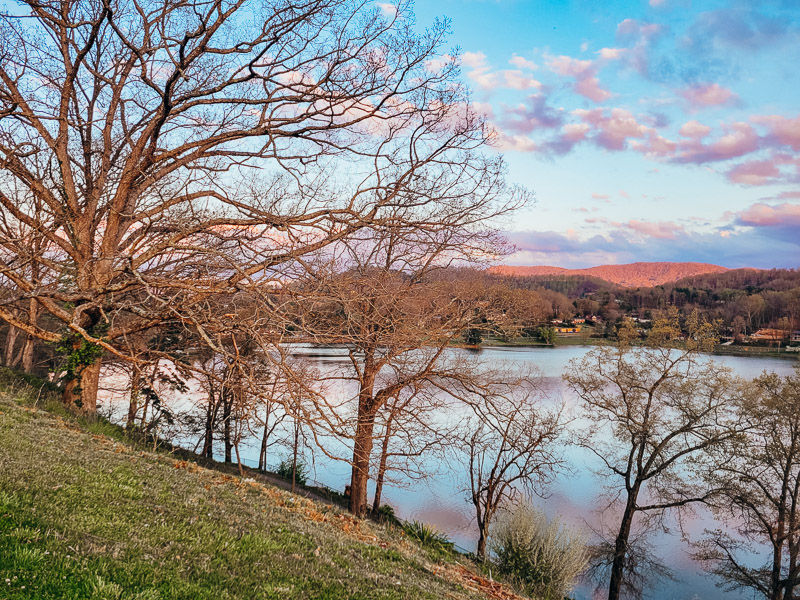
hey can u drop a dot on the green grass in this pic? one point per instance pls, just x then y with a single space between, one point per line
84 514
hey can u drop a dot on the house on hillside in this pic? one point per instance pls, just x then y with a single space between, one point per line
796 336
568 329
770 335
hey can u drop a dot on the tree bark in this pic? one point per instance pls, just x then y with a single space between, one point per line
81 392
480 552
376 502
133 402
208 438
362 450
27 349
226 426
262 453
621 546
11 341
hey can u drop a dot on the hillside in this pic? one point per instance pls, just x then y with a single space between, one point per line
640 274
85 515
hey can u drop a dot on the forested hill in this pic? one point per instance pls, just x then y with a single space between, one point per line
640 274
749 280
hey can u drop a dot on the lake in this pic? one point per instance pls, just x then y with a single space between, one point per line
441 501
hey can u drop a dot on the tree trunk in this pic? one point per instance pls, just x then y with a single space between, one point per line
480 552
208 438
621 546
294 454
133 403
226 426
376 503
90 384
81 392
362 450
262 453
11 342
27 350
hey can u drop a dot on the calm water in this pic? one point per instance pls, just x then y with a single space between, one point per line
441 499
574 498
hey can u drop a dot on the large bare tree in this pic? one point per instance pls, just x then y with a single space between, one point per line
165 153
655 410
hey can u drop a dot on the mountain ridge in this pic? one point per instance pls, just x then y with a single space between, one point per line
638 274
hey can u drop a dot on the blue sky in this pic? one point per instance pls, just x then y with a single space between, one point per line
649 130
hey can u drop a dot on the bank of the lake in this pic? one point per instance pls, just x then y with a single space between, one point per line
85 512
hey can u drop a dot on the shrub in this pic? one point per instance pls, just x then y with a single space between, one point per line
385 514
542 558
428 537
284 469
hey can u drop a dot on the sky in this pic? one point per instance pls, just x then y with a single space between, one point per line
649 130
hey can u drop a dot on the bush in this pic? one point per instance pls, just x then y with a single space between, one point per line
428 537
540 557
385 514
284 469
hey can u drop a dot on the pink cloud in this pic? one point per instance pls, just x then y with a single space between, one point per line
522 63
597 196
663 230
514 143
655 146
693 129
590 88
611 53
757 172
764 215
782 130
585 74
739 139
614 129
711 94
570 67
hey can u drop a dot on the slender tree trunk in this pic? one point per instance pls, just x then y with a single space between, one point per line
208 438
226 426
238 458
776 588
11 342
27 349
294 454
133 403
262 454
621 545
376 503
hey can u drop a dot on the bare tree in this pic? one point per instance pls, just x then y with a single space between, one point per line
758 475
170 153
509 446
654 410
377 295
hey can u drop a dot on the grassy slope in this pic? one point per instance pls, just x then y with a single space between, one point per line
85 516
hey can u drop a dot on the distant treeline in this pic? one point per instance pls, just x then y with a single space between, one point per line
743 299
